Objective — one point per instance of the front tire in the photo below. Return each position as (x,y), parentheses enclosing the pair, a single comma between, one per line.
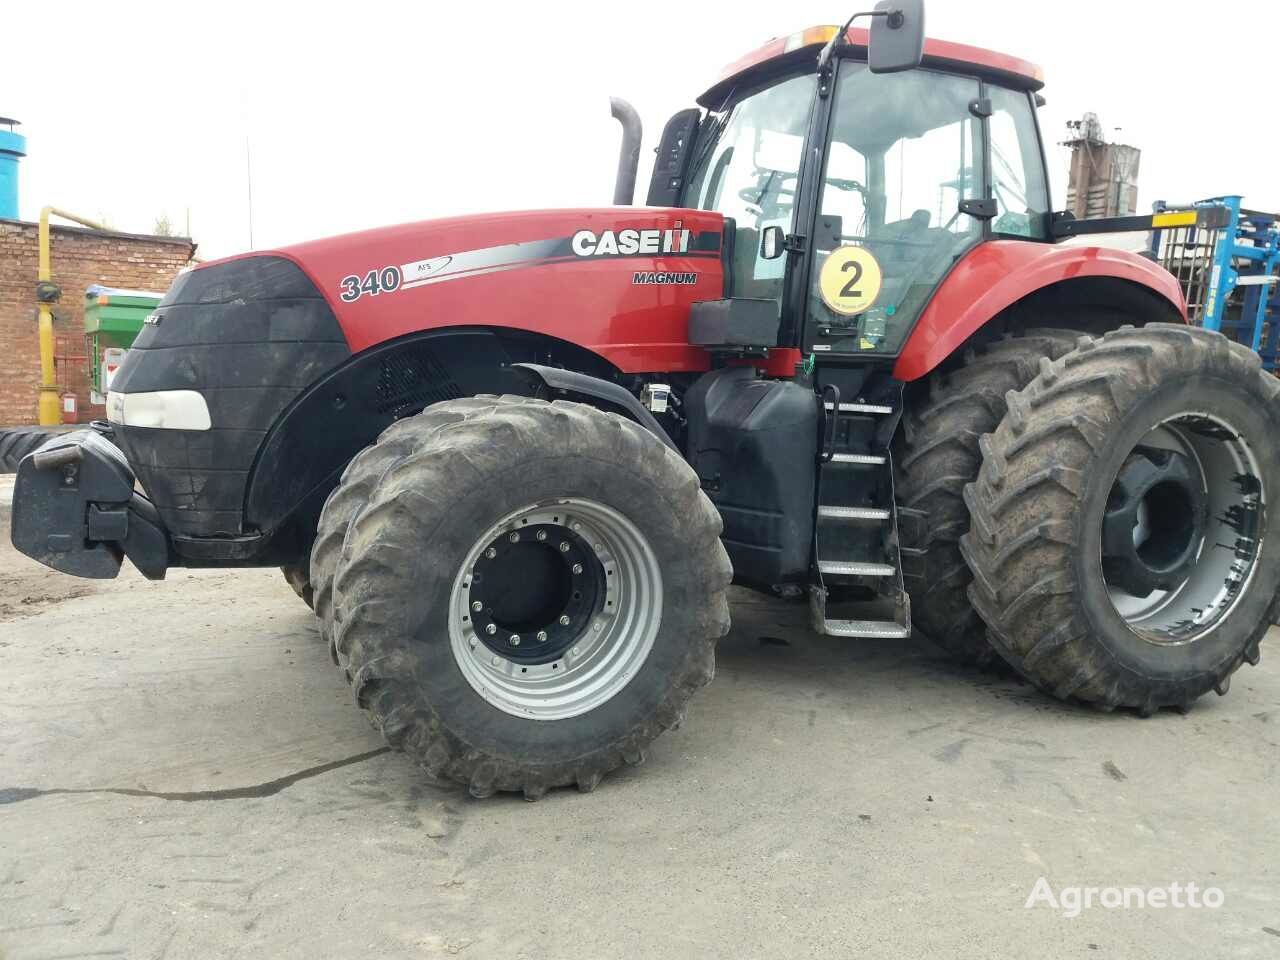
(530,595)
(358,481)
(1119,519)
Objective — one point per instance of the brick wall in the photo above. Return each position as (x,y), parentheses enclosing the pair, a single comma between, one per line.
(78,258)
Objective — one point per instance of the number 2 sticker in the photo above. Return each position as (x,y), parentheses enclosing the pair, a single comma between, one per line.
(850,280)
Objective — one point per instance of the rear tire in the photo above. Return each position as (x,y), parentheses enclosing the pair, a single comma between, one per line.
(447,539)
(1145,457)
(936,457)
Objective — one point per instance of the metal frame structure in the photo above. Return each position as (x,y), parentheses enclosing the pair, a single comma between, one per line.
(1228,273)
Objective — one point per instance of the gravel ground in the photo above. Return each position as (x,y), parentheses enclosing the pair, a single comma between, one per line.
(182,774)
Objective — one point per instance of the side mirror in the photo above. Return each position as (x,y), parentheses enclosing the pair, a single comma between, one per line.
(772,242)
(897,40)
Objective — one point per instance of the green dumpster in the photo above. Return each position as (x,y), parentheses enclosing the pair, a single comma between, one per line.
(112,319)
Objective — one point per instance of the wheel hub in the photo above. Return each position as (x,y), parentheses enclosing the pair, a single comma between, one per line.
(578,587)
(1155,522)
(1182,529)
(533,592)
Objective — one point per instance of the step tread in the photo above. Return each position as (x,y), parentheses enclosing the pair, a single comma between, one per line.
(848,568)
(862,408)
(887,629)
(870,459)
(854,513)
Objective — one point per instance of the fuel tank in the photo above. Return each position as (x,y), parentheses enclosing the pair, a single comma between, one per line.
(754,445)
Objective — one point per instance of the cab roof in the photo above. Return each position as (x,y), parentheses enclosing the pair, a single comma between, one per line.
(784,52)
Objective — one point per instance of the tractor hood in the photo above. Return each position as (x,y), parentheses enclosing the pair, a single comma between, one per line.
(240,346)
(617,281)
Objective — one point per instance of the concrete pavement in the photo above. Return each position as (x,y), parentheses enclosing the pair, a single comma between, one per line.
(182,774)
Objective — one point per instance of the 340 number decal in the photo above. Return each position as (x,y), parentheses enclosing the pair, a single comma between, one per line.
(386,280)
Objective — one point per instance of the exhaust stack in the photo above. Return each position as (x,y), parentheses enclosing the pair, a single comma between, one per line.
(624,187)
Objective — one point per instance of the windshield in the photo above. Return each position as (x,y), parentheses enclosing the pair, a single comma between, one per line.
(746,166)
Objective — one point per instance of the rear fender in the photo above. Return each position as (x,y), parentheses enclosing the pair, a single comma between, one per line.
(998,274)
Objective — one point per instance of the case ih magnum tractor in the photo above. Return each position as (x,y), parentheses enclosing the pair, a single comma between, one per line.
(515,461)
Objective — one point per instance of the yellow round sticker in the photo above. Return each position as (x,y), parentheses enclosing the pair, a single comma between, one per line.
(850,280)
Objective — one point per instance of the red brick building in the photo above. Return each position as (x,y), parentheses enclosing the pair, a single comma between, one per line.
(78,258)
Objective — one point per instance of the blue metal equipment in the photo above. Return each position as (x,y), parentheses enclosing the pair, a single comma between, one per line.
(13,147)
(1228,274)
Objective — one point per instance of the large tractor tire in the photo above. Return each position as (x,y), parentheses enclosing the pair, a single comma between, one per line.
(358,481)
(17,442)
(530,595)
(1120,515)
(299,581)
(936,456)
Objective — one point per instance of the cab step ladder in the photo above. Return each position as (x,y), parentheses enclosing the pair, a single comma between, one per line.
(858,588)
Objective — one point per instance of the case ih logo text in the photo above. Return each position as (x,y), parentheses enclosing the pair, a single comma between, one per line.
(627,243)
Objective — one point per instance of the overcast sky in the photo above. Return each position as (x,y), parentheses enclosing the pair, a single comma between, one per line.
(369,113)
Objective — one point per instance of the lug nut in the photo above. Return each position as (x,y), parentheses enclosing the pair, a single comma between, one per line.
(515,640)
(564,546)
(513,537)
(542,636)
(577,568)
(541,534)
(491,629)
(476,606)
(564,619)
(491,553)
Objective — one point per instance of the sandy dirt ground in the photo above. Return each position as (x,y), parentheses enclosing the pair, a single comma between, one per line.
(183,775)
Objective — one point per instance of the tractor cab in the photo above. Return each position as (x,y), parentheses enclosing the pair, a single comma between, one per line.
(854,188)
(854,170)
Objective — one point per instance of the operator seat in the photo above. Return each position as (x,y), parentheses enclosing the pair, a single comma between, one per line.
(913,230)
(899,247)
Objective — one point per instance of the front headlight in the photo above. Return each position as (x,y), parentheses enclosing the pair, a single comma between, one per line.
(161,409)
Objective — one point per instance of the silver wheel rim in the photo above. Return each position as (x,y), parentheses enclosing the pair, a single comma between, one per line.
(605,655)
(1229,545)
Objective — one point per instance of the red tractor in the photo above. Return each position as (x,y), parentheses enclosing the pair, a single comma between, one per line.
(514,461)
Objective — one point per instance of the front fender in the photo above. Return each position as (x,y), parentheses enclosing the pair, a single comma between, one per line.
(997,274)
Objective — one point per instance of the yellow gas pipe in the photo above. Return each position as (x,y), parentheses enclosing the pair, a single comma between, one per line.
(48,408)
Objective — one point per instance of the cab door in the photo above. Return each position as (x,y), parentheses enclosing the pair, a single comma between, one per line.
(898,204)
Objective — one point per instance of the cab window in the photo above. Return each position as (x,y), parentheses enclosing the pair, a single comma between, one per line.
(1017,169)
(746,166)
(904,152)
